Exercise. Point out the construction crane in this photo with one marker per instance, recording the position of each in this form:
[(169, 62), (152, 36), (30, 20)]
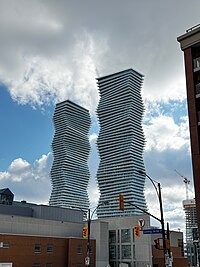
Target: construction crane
[(186, 182)]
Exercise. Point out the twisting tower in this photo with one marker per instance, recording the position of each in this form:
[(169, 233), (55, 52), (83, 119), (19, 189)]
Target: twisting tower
[(70, 173), (120, 143)]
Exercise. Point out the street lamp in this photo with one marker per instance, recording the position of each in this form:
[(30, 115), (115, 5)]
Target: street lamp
[(158, 191), (87, 261)]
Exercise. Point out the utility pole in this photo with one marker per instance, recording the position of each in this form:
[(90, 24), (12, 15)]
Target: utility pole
[(162, 223), (158, 191), (88, 239), (89, 219)]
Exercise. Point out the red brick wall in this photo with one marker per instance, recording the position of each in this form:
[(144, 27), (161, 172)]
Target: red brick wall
[(178, 260), (193, 124), (21, 251), (75, 258)]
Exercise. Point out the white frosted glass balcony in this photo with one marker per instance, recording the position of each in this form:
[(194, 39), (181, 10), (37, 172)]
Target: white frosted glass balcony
[(198, 89), (197, 64), (199, 117)]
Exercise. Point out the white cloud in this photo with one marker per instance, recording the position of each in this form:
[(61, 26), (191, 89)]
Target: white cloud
[(93, 195), (29, 181), (93, 137), (18, 165), (18, 170), (172, 198), (44, 81), (163, 133), (50, 52)]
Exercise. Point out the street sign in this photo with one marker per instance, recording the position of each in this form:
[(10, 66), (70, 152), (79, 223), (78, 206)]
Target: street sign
[(152, 231), (141, 222), (87, 260)]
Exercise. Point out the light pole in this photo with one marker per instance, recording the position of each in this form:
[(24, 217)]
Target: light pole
[(89, 219), (158, 191)]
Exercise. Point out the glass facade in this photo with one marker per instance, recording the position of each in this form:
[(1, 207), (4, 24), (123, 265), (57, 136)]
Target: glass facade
[(126, 235), (112, 236), (126, 251), (121, 247), (112, 252)]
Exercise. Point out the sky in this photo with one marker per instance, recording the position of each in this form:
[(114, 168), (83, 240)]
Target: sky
[(54, 50)]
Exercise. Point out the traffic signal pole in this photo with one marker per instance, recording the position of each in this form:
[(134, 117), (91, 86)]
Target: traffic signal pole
[(161, 220), (88, 240), (162, 224), (89, 219)]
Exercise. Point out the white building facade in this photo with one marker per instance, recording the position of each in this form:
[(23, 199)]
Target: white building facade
[(70, 172), (120, 143), (125, 248)]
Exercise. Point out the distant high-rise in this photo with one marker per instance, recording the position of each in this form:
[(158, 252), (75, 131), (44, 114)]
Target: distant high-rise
[(190, 44), (70, 173), (192, 236), (120, 143)]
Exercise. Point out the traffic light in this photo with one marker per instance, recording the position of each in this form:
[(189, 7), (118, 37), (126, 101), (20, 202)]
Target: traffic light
[(137, 231), (121, 202), (85, 232), (157, 243)]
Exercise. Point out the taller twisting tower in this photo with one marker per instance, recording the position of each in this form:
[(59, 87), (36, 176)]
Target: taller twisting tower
[(70, 173), (120, 143)]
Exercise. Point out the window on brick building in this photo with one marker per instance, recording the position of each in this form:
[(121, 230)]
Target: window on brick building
[(79, 265), (4, 245), (37, 248), (36, 265), (79, 249), (49, 265), (49, 248)]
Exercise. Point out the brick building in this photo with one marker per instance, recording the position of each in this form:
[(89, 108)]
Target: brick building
[(42, 236), (190, 44), (176, 250), (42, 251)]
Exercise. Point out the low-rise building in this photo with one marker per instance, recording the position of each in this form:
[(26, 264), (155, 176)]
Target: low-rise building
[(42, 236), (125, 246), (47, 236), (175, 250)]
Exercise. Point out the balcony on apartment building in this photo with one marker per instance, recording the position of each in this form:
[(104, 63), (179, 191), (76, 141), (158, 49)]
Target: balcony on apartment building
[(196, 62), (199, 118), (198, 90)]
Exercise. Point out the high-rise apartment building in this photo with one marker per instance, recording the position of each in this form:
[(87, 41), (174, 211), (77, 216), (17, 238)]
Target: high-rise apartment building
[(70, 172), (120, 143), (190, 44), (192, 236)]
